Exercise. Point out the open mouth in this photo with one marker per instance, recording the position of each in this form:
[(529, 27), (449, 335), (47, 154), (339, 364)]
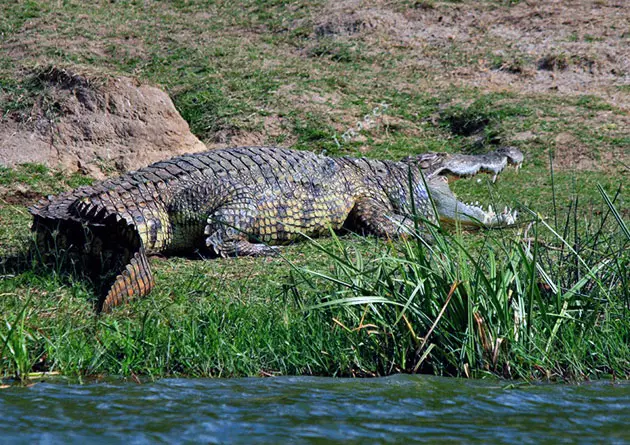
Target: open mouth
[(449, 208)]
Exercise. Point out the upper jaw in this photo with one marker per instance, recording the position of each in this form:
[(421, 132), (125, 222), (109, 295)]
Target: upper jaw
[(459, 165)]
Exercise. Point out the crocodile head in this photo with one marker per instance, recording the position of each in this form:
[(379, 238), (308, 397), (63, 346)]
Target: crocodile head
[(439, 168)]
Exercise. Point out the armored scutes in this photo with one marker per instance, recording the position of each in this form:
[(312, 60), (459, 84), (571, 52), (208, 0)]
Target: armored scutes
[(242, 201)]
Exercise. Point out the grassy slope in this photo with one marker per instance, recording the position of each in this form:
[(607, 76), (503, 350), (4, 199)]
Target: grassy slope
[(230, 71)]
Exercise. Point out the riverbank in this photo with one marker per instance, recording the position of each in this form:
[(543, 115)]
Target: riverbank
[(520, 303)]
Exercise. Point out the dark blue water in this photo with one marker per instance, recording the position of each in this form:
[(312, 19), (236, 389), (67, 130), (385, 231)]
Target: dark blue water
[(401, 409)]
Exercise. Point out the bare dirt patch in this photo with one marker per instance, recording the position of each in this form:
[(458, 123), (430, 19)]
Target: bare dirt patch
[(577, 47), (272, 126), (310, 100), (96, 125), (571, 154), (19, 197)]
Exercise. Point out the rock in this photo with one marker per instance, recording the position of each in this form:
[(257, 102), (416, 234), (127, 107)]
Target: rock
[(98, 126)]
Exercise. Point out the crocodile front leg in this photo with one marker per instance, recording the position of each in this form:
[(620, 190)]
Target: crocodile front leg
[(371, 216), (217, 213)]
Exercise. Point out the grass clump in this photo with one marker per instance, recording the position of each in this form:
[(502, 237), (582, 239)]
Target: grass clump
[(336, 51), (40, 177), (515, 63), (546, 303)]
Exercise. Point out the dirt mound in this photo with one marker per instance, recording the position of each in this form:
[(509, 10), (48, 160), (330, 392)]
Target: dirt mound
[(352, 18), (95, 125)]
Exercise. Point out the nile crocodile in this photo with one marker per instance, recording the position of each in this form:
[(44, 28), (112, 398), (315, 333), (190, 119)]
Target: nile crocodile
[(244, 201)]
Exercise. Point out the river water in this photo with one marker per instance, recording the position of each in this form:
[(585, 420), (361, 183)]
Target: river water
[(399, 409)]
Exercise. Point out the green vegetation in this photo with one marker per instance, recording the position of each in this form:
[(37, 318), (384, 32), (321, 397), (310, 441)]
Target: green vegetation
[(547, 301), (521, 303), (516, 307)]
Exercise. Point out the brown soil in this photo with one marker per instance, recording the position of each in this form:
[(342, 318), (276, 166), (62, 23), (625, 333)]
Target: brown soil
[(19, 198), (570, 153), (95, 125), (272, 128), (576, 47), (101, 126), (556, 47)]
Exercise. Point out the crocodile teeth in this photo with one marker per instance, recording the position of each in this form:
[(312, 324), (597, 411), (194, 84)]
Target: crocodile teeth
[(507, 217)]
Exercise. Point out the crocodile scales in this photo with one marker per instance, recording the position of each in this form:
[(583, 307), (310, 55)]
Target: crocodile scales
[(243, 201)]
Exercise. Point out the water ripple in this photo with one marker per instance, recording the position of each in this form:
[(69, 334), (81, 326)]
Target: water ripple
[(314, 410)]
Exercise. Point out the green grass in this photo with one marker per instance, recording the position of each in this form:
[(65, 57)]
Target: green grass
[(41, 178), (497, 302), (550, 305), (227, 71), (220, 318)]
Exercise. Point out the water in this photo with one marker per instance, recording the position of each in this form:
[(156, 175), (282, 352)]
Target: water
[(400, 409)]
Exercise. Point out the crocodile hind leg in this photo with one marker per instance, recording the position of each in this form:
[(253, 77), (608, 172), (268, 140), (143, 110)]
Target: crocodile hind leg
[(124, 254), (230, 227)]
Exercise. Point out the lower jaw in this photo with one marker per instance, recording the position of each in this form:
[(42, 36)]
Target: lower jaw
[(466, 223), (476, 217)]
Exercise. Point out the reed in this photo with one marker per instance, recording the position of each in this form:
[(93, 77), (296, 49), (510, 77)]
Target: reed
[(544, 301)]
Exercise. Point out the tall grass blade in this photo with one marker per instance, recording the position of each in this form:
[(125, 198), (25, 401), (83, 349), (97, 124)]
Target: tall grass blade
[(614, 211)]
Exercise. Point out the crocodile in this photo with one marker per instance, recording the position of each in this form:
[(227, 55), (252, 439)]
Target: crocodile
[(246, 201)]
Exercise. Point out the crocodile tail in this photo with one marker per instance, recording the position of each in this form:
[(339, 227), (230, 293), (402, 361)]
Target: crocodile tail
[(136, 280), (133, 277), (108, 245)]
